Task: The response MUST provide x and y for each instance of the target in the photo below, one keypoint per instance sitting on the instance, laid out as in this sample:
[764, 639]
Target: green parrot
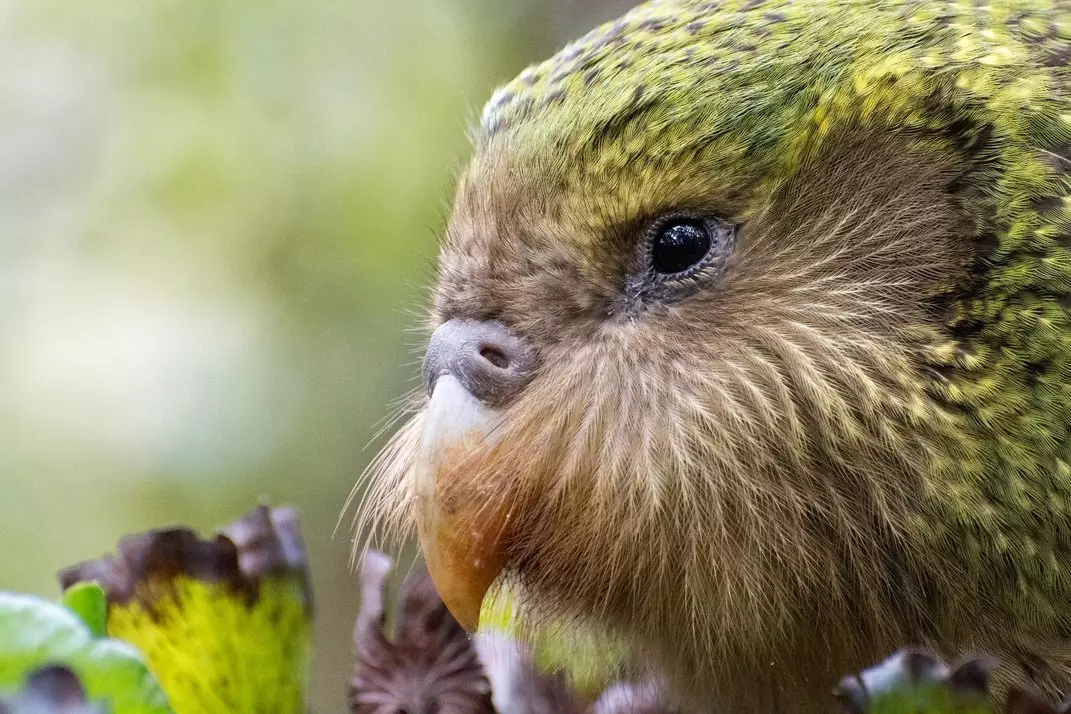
[750, 348]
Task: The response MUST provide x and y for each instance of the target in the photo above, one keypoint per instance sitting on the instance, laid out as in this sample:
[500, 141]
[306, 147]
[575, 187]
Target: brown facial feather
[724, 476]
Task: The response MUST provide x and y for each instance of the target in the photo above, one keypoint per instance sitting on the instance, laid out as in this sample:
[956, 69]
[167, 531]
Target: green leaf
[35, 632]
[916, 681]
[89, 601]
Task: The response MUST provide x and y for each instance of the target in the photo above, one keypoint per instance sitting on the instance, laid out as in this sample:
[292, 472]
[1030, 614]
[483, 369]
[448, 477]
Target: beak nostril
[492, 363]
[495, 356]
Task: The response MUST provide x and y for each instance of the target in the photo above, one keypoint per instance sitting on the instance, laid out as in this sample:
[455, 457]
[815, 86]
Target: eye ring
[679, 245]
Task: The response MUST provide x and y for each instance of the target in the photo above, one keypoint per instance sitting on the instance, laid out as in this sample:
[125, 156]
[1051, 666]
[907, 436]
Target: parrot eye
[680, 245]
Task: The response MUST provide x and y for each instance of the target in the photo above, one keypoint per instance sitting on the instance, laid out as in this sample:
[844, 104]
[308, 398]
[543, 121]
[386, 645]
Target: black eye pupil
[680, 245]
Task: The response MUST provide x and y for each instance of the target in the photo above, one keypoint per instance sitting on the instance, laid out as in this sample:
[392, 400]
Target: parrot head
[721, 328]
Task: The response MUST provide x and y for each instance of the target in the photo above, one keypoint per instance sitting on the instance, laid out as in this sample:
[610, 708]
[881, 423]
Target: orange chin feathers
[462, 525]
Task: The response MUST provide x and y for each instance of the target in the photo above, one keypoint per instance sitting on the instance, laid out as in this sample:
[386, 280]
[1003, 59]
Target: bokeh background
[217, 218]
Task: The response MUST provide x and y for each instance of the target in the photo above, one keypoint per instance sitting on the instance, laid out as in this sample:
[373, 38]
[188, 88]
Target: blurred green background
[217, 219]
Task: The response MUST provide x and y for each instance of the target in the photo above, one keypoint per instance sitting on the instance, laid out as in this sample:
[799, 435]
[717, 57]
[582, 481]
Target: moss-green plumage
[762, 83]
[684, 100]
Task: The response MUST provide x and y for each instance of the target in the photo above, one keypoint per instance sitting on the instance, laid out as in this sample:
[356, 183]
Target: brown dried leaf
[1025, 701]
[430, 666]
[266, 541]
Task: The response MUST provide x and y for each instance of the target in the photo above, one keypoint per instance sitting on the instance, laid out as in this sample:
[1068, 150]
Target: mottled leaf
[225, 622]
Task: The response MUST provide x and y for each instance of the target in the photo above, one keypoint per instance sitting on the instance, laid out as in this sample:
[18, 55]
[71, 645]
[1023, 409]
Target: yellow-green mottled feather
[755, 87]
